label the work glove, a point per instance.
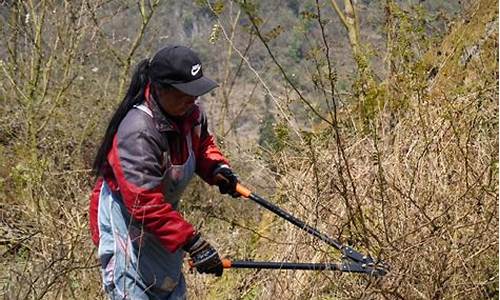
(204, 257)
(227, 184)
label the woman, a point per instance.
(155, 142)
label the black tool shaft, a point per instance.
(348, 267)
(299, 223)
(347, 251)
(243, 264)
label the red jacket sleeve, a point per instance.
(209, 155)
(135, 159)
(93, 207)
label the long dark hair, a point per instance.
(135, 95)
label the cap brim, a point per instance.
(196, 87)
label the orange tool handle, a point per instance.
(239, 188)
(226, 263)
(243, 190)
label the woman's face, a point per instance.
(175, 102)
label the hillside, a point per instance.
(383, 135)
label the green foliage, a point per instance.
(215, 34)
(253, 294)
(295, 48)
(375, 98)
(251, 8)
(188, 25)
(407, 169)
(273, 135)
(218, 7)
(282, 133)
(267, 136)
(301, 29)
(273, 33)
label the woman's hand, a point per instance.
(204, 257)
(226, 180)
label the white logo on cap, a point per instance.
(195, 69)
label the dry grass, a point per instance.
(416, 185)
(427, 193)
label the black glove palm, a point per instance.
(204, 257)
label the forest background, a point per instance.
(375, 121)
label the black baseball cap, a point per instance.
(180, 67)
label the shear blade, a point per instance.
(369, 269)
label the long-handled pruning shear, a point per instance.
(352, 260)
